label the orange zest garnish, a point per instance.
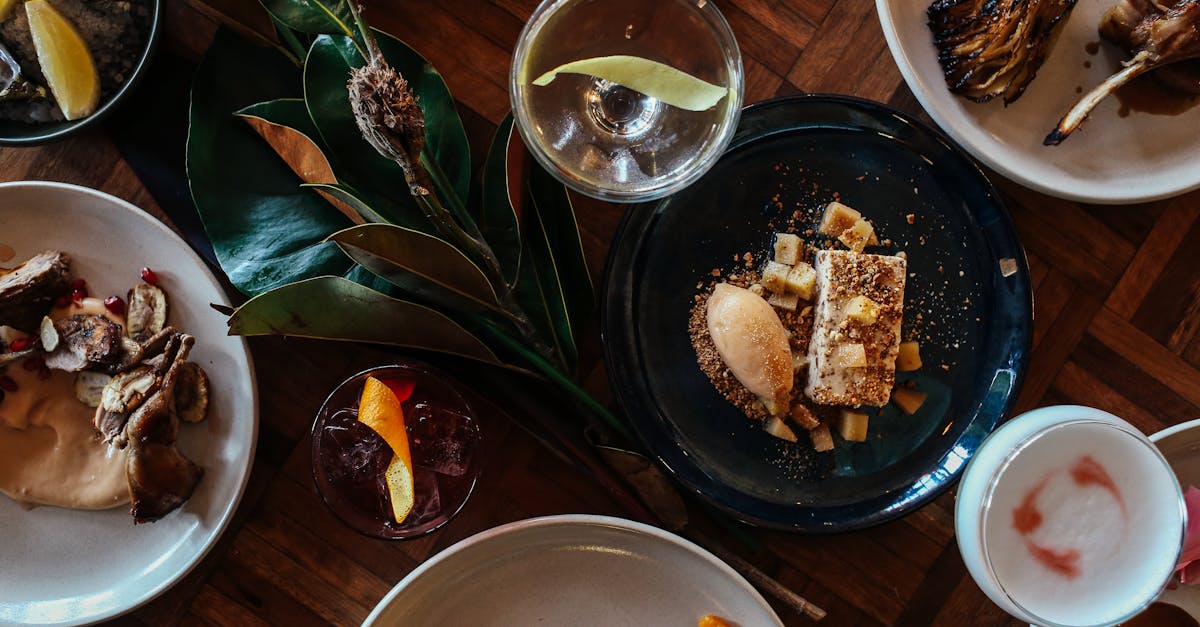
(708, 620)
(379, 408)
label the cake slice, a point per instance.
(852, 356)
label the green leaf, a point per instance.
(538, 293)
(552, 215)
(334, 308)
(313, 16)
(350, 196)
(497, 218)
(326, 71)
(418, 262)
(240, 185)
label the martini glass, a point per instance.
(606, 140)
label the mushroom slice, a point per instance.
(89, 387)
(147, 311)
(191, 393)
(126, 391)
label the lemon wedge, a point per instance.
(379, 408)
(657, 80)
(66, 62)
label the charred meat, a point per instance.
(28, 291)
(1159, 40)
(990, 48)
(85, 340)
(1118, 26)
(160, 477)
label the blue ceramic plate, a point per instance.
(968, 280)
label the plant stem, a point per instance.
(442, 185)
(364, 29)
(565, 383)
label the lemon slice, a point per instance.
(65, 60)
(657, 80)
(379, 409)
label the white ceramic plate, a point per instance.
(1180, 444)
(1111, 160)
(572, 570)
(68, 567)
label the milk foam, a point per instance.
(1125, 554)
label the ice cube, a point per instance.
(358, 454)
(427, 503)
(442, 441)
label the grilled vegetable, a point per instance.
(990, 48)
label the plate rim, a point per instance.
(611, 301)
(230, 509)
(564, 520)
(926, 97)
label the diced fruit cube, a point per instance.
(909, 357)
(851, 356)
(853, 426)
(862, 310)
(837, 218)
(777, 428)
(787, 248)
(804, 417)
(821, 438)
(857, 236)
(802, 280)
(774, 276)
(799, 360)
(784, 300)
(908, 400)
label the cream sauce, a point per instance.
(49, 452)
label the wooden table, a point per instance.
(1117, 315)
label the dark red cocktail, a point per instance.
(349, 458)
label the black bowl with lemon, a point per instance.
(65, 64)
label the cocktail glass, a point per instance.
(609, 141)
(1069, 516)
(349, 458)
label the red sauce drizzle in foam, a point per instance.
(1086, 471)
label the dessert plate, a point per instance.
(69, 567)
(1112, 160)
(572, 570)
(967, 279)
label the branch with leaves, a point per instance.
(336, 200)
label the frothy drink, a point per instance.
(1069, 516)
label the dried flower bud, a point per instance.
(389, 117)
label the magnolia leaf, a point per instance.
(349, 196)
(284, 124)
(498, 221)
(326, 70)
(551, 207)
(398, 255)
(313, 16)
(265, 229)
(334, 308)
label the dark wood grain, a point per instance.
(1117, 327)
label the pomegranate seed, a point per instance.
(149, 276)
(7, 384)
(44, 373)
(62, 301)
(78, 284)
(78, 295)
(20, 344)
(115, 305)
(31, 364)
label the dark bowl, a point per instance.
(23, 134)
(967, 274)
